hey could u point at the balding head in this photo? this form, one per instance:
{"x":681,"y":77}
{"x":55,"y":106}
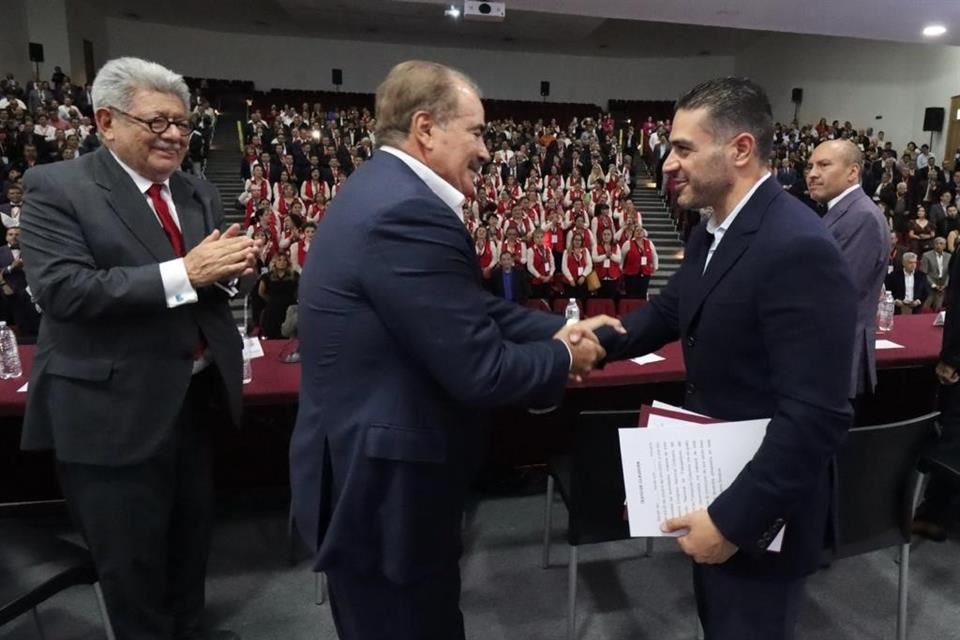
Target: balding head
{"x":834,"y":167}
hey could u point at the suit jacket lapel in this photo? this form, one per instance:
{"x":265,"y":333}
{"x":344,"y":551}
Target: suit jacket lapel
{"x":131,"y":206}
{"x":735,"y":241}
{"x":834,"y":215}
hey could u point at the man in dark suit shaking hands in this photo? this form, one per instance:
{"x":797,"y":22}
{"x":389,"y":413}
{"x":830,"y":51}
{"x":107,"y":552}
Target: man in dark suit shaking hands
{"x":765,"y":310}
{"x":402,"y":352}
{"x":138,"y":354}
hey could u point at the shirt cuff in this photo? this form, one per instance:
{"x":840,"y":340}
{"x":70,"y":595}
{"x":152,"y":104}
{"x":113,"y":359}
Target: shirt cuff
{"x":176,"y":284}
{"x":569,"y":353}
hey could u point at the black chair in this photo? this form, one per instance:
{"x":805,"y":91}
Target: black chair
{"x":877,"y":485}
{"x":34,"y":566}
{"x":590,"y":483}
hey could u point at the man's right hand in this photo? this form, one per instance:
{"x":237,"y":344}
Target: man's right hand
{"x":219,"y":258}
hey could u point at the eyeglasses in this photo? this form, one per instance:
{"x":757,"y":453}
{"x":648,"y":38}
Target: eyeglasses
{"x":159,"y":124}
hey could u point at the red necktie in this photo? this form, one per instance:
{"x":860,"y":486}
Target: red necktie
{"x":170,"y":227}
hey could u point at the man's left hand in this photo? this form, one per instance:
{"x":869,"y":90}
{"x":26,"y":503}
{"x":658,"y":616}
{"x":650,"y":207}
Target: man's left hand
{"x":703,"y":541}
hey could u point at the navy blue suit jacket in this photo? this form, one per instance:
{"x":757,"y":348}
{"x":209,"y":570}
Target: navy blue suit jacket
{"x":402,"y":351}
{"x":766,"y":333}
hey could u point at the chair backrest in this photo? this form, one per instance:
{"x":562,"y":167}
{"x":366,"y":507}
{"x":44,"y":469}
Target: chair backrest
{"x":539,"y":304}
{"x":875,"y":476}
{"x":34,"y":566}
{"x":626,"y":305}
{"x":596,"y":480}
{"x":599,"y":307}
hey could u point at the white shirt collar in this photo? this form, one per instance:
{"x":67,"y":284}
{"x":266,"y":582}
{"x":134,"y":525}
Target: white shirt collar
{"x":834,"y":201}
{"x":142,"y":183}
{"x":443,"y":189}
{"x":719,"y":229}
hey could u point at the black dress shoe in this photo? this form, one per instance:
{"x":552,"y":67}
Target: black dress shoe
{"x":928,"y":529}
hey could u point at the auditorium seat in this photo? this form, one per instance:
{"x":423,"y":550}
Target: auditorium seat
{"x":626,"y":305}
{"x":538,"y":304}
{"x":600,"y":307}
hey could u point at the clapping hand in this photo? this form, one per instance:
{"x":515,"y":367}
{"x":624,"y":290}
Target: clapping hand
{"x":584,"y":345}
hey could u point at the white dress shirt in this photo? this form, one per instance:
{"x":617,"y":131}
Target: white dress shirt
{"x":173,"y":273}
{"x":718,"y":230}
{"x":833,"y":202}
{"x":443,"y":189}
{"x":908,"y":287}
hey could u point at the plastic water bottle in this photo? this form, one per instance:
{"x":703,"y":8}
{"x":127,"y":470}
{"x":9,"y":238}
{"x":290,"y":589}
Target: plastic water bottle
{"x":885,"y":313}
{"x":247,"y":367}
{"x":572,"y":312}
{"x":10,"y":366}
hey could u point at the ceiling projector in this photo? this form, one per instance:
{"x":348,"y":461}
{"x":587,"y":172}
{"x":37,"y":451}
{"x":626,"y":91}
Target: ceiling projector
{"x":487,"y":11}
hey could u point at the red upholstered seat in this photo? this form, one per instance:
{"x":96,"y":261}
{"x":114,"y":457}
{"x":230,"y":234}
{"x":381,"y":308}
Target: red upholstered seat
{"x":600,"y":306}
{"x":626,"y":305}
{"x":539,"y":304}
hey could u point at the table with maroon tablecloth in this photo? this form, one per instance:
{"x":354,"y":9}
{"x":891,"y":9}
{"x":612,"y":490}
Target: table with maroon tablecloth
{"x":276,"y":382}
{"x":256,"y":456}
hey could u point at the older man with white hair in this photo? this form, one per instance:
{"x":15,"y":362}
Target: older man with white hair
{"x":138,"y":355}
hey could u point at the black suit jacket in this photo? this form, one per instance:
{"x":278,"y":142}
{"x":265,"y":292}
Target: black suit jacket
{"x":950,"y":348}
{"x":521,"y":284}
{"x":896,"y":285}
{"x":17,"y":279}
{"x":401,"y":357}
{"x":760,"y":342}
{"x":113,"y":362}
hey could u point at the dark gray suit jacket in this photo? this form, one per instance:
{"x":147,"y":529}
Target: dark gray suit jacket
{"x":864,"y":238}
{"x":113,"y":363}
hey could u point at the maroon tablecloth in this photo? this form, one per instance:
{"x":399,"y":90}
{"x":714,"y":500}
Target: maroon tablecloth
{"x":275,"y":382}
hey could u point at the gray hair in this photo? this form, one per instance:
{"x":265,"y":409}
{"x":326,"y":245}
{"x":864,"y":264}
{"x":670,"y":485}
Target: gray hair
{"x":909,"y":255}
{"x":412,"y":86}
{"x":120,"y":78}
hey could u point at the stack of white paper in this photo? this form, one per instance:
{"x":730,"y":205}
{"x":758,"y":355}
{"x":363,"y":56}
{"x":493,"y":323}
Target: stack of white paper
{"x":681,"y":462}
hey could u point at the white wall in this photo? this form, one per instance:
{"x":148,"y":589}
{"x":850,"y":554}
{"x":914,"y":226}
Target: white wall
{"x":85,"y":23}
{"x":47,"y":24}
{"x":13,"y":41}
{"x":305,"y":63}
{"x":856,"y":80}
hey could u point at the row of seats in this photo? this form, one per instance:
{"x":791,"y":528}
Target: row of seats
{"x":590,"y":307}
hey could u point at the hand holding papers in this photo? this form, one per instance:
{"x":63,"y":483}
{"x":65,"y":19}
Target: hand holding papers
{"x":676,"y":466}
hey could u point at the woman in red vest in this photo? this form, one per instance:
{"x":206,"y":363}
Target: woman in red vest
{"x":317,"y":208}
{"x":254,"y":190}
{"x":310,"y":188}
{"x":576,"y":265}
{"x":541,"y":265}
{"x":513,"y":243}
{"x":487,"y":254}
{"x":602,"y":221}
{"x":640,"y":261}
{"x":606,"y":262}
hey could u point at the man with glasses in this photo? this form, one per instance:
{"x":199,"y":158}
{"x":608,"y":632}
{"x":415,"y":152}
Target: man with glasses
{"x":138,"y":355}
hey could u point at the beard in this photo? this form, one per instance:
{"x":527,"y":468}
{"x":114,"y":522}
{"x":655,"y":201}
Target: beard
{"x":708,"y":187}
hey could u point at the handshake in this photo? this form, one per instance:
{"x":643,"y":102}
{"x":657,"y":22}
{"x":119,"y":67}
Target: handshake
{"x":583,"y":343}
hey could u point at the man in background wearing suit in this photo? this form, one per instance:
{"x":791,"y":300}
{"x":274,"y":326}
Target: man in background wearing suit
{"x":508,"y":282}
{"x":908,"y":285}
{"x":138,"y":355}
{"x":379,"y":477}
{"x":858,"y":226}
{"x":765,"y":309}
{"x":936,"y":264}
